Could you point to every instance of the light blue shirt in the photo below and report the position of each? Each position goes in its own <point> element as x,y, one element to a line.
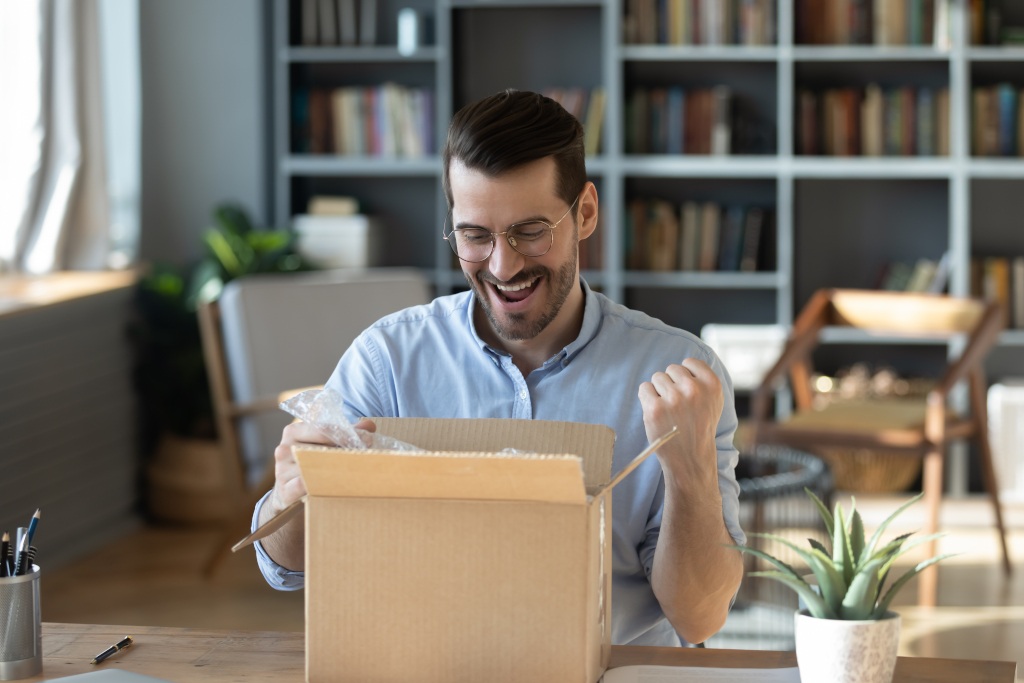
<point>429,361</point>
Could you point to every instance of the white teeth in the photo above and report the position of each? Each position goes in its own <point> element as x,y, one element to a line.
<point>516,288</point>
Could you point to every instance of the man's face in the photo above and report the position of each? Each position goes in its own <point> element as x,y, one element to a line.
<point>542,283</point>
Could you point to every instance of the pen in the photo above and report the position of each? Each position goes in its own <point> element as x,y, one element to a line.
<point>116,647</point>
<point>22,564</point>
<point>32,525</point>
<point>5,547</point>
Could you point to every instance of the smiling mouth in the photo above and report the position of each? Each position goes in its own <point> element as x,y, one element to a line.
<point>518,291</point>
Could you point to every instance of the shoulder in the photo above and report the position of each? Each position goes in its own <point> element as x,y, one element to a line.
<point>626,325</point>
<point>442,311</point>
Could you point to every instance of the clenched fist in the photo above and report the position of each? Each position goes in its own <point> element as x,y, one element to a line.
<point>288,484</point>
<point>687,396</point>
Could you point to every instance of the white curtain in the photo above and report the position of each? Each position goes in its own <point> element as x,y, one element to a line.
<point>55,199</point>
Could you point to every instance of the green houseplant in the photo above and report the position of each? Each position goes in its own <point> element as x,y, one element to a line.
<point>847,632</point>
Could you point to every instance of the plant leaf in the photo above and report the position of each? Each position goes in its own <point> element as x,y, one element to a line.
<point>856,537</point>
<point>883,604</point>
<point>911,546</point>
<point>825,514</point>
<point>870,547</point>
<point>818,546</point>
<point>892,545</point>
<point>765,556</point>
<point>859,601</point>
<point>815,604</point>
<point>842,557</point>
<point>830,580</point>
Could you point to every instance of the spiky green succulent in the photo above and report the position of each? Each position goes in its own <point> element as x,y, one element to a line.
<point>852,575</point>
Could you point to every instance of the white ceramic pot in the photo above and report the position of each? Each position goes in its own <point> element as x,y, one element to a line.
<point>835,651</point>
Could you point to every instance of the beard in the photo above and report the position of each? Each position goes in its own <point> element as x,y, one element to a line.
<point>517,326</point>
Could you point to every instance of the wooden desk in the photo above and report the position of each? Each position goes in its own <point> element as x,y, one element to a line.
<point>187,655</point>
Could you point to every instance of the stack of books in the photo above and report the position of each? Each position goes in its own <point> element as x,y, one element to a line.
<point>924,276</point>
<point>1001,280</point>
<point>873,122</point>
<point>987,24</point>
<point>677,121</point>
<point>695,237</point>
<point>338,22</point>
<point>588,107</point>
<point>386,121</point>
<point>700,22</point>
<point>997,122</point>
<point>878,22</point>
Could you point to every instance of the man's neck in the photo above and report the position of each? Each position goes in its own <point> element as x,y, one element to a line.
<point>530,354</point>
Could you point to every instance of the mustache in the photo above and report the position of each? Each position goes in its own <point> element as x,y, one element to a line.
<point>521,278</point>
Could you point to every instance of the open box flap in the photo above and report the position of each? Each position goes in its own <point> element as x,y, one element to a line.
<point>595,444</point>
<point>454,476</point>
<point>273,524</point>
<point>635,462</point>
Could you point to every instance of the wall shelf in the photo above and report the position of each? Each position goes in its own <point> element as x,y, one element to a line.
<point>376,53</point>
<point>709,53</point>
<point>867,53</point>
<point>332,165</point>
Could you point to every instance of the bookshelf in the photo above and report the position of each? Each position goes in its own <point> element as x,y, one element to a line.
<point>871,209</point>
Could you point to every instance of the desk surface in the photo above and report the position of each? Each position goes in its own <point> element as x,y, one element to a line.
<point>187,655</point>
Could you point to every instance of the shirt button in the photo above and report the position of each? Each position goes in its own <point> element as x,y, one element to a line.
<point>565,363</point>
<point>523,394</point>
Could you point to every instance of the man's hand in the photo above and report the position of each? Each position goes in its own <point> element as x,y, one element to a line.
<point>687,396</point>
<point>288,484</point>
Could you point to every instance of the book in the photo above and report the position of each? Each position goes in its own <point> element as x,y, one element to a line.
<point>709,227</point>
<point>594,122</point>
<point>319,122</point>
<point>942,129</point>
<point>388,120</point>
<point>689,243</point>
<point>348,27</point>
<point>1006,95</point>
<point>1017,283</point>
<point>752,240</point>
<point>730,250</point>
<point>925,122</point>
<point>921,277</point>
<point>699,22</point>
<point>996,284</point>
<point>328,22</point>
<point>368,22</point>
<point>872,108</point>
<point>721,130</point>
<point>676,120</point>
<point>941,278</point>
<point>310,23</point>
<point>663,242</point>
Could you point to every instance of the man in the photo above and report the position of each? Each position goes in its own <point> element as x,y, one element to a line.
<point>532,341</point>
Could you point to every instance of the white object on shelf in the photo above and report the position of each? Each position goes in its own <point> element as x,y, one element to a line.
<point>408,31</point>
<point>748,351</point>
<point>335,241</point>
<point>1006,436</point>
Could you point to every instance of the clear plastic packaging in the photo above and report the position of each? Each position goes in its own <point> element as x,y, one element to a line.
<point>323,409</point>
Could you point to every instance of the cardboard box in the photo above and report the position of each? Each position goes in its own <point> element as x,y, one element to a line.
<point>460,563</point>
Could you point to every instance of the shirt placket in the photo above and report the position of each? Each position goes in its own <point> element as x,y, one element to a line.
<point>522,405</point>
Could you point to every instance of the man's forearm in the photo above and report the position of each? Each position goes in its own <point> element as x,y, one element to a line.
<point>694,577</point>
<point>286,546</point>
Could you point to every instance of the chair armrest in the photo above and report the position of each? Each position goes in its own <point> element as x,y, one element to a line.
<point>981,341</point>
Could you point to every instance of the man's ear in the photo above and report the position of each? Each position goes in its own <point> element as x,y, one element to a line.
<point>588,211</point>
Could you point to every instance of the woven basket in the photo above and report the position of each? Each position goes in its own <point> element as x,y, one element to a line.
<point>867,470</point>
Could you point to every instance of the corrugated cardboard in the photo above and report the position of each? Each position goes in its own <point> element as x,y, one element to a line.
<point>460,563</point>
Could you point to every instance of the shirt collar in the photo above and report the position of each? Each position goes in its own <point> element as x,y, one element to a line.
<point>591,324</point>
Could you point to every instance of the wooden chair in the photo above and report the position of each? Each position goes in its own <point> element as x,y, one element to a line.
<point>913,427</point>
<point>227,413</point>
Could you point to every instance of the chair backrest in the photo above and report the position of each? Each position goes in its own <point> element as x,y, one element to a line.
<point>904,312</point>
<point>282,332</point>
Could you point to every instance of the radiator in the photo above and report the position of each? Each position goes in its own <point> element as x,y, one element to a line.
<point>68,426</point>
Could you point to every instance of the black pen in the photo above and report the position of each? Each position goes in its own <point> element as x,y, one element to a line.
<point>21,566</point>
<point>117,647</point>
<point>5,548</point>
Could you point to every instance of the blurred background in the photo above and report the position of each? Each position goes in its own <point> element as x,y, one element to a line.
<point>188,184</point>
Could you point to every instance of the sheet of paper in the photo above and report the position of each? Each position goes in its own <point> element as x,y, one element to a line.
<point>692,674</point>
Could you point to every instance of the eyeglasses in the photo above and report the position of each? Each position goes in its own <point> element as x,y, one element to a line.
<point>473,245</point>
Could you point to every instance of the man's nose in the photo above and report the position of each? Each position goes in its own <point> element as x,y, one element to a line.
<point>505,262</point>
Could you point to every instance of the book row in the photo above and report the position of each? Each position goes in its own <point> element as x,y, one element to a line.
<point>988,26</point>
<point>338,22</point>
<point>587,106</point>
<point>700,121</point>
<point>873,122</point>
<point>926,276</point>
<point>694,237</point>
<point>997,122</point>
<point>388,120</point>
<point>1001,280</point>
<point>873,22</point>
<point>700,22</point>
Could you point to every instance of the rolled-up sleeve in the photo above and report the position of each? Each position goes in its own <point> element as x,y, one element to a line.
<point>277,576</point>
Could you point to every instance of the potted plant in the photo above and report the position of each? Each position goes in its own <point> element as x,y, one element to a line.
<point>847,633</point>
<point>185,482</point>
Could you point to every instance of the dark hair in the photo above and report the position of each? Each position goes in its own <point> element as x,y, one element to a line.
<point>504,131</point>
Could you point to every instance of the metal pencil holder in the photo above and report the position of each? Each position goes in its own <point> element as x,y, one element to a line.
<point>21,651</point>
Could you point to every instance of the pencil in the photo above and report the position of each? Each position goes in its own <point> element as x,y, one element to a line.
<point>32,525</point>
<point>5,547</point>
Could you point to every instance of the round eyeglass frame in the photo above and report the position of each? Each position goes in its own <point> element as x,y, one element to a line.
<point>508,238</point>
